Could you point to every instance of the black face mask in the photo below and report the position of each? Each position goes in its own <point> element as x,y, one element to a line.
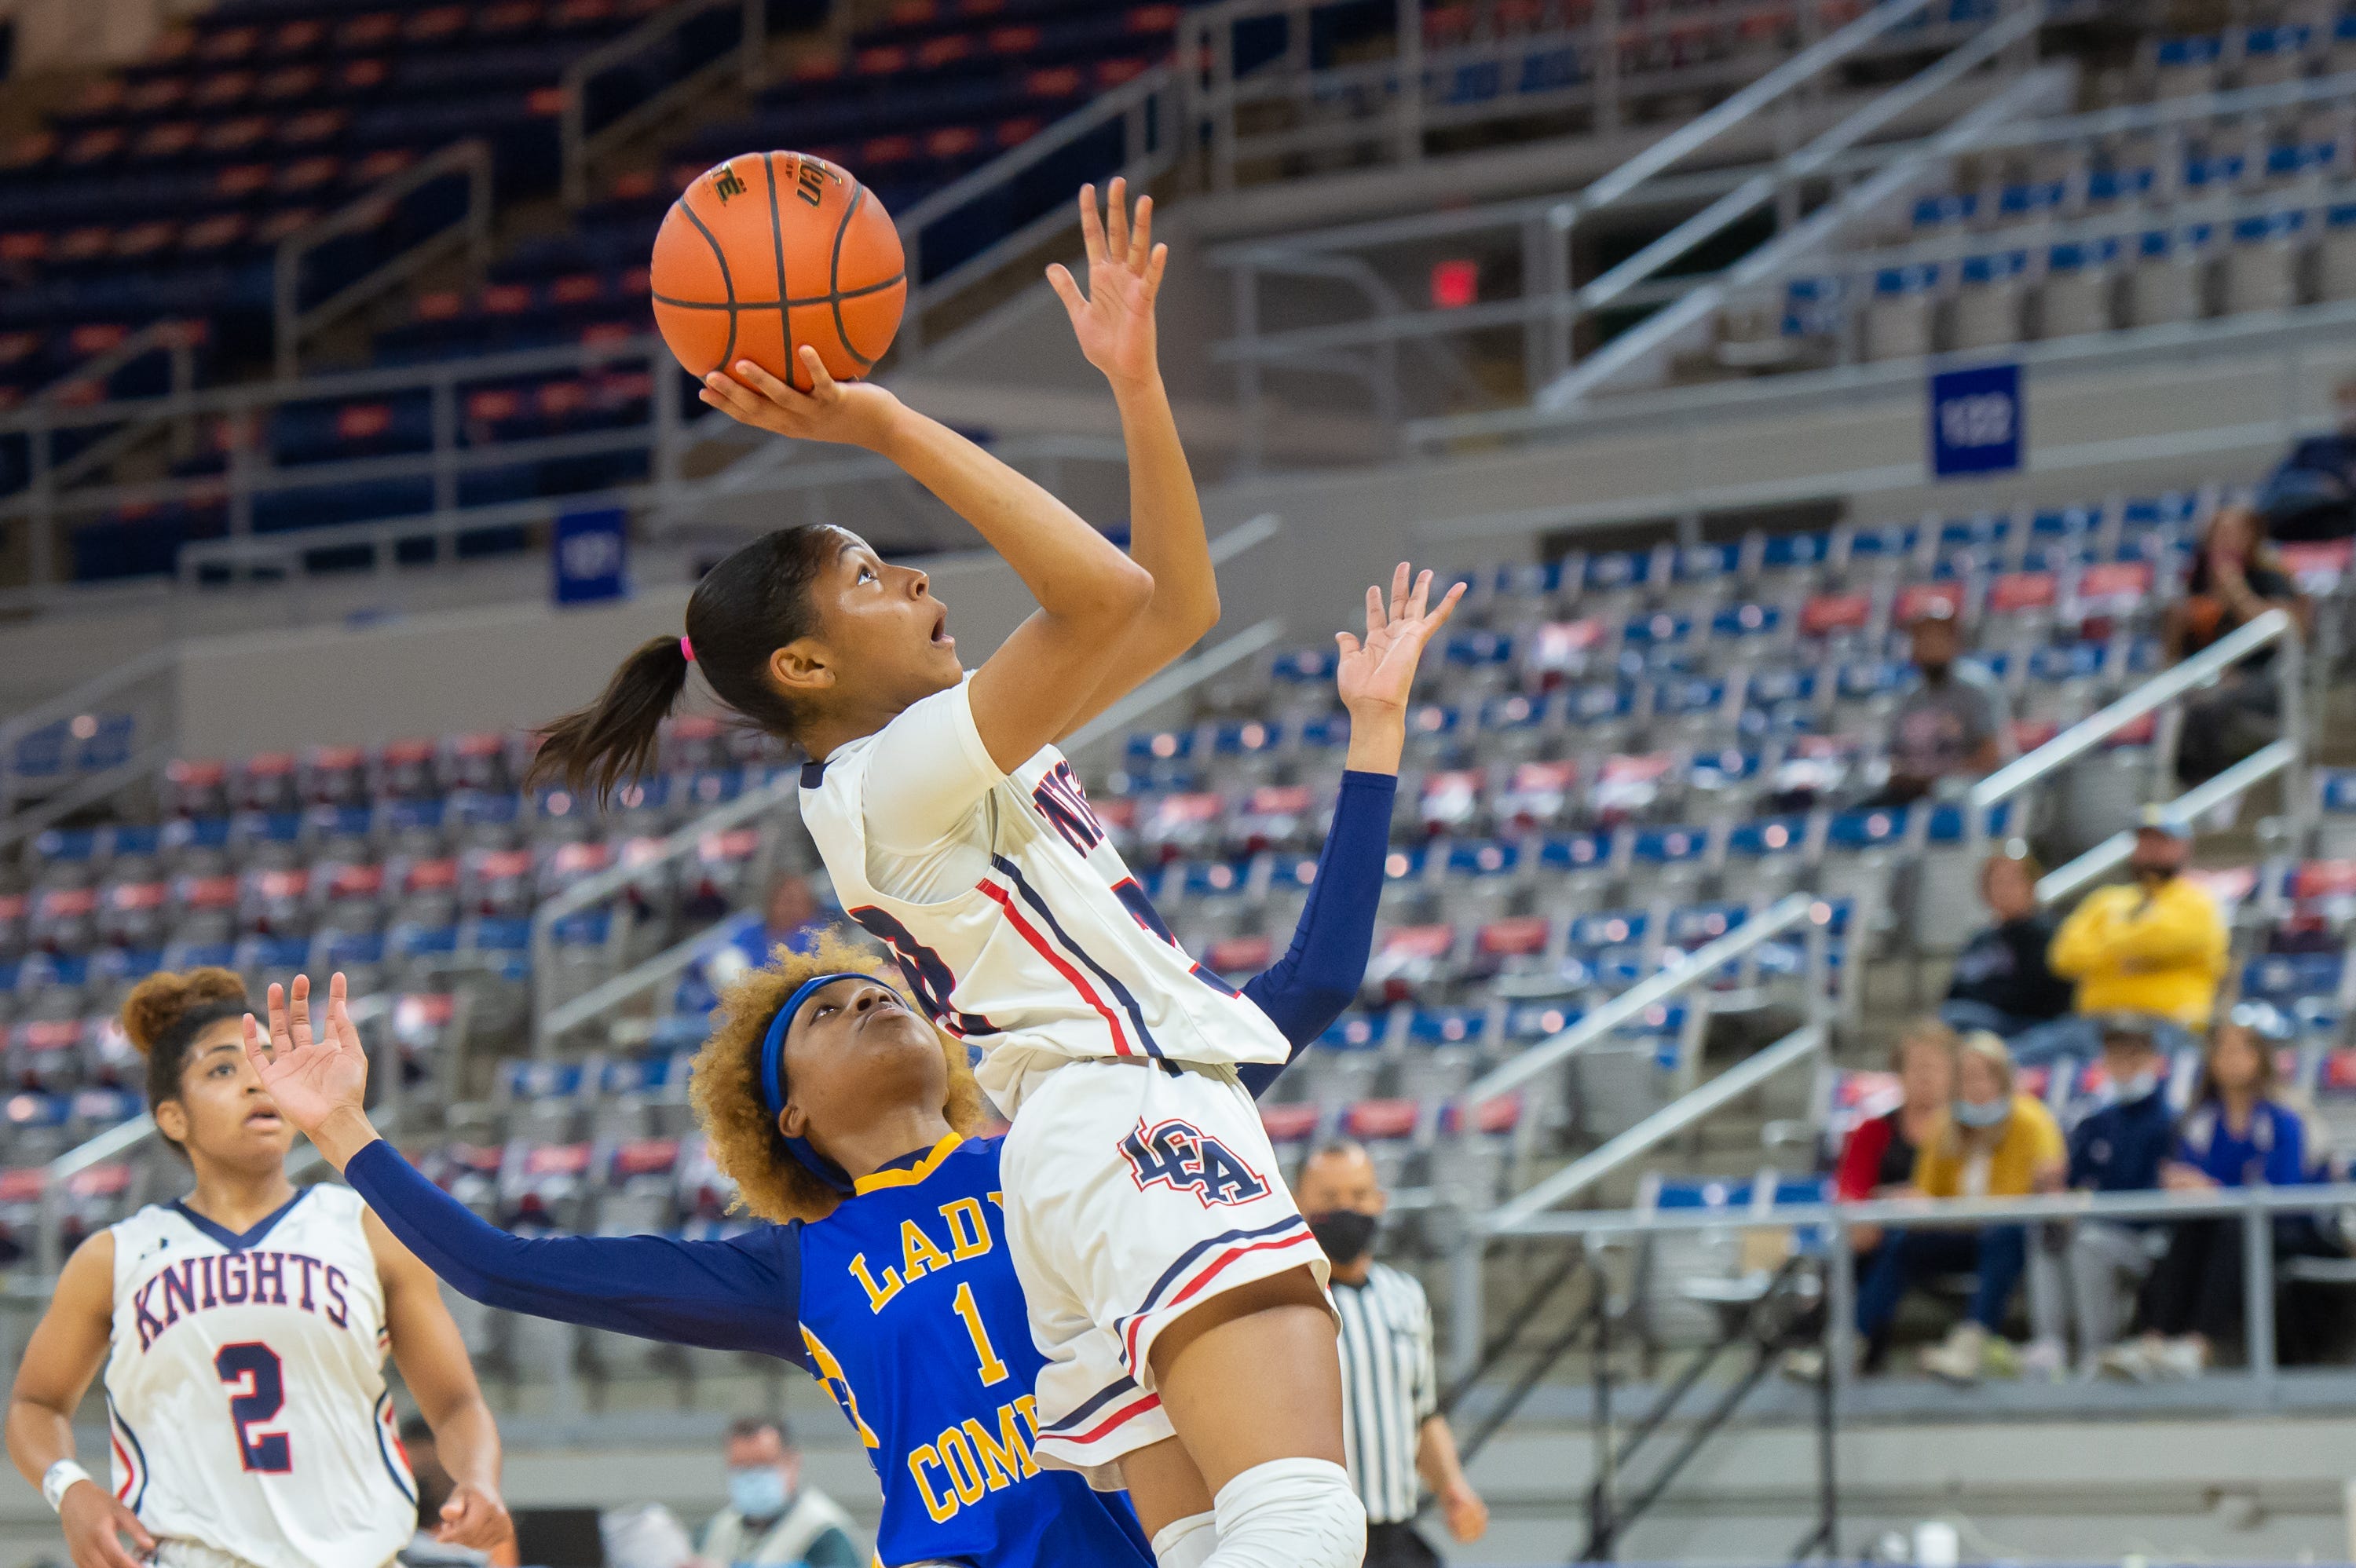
<point>1345,1233</point>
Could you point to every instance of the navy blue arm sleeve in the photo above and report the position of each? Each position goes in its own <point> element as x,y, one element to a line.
<point>744,1294</point>
<point>1304,991</point>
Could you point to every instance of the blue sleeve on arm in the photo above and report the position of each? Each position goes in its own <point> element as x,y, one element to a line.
<point>2287,1160</point>
<point>744,1294</point>
<point>1304,991</point>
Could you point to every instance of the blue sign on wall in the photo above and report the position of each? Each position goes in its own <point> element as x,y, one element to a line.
<point>590,553</point>
<point>1977,418</point>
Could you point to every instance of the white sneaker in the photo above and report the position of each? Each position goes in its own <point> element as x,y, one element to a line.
<point>2045,1362</point>
<point>1958,1360</point>
<point>2133,1359</point>
<point>2180,1360</point>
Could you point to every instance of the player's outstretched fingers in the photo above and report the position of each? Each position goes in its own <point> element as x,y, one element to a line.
<point>1092,233</point>
<point>823,389</point>
<point>1117,221</point>
<point>298,1010</point>
<point>1140,234</point>
<point>1399,577</point>
<point>769,388</point>
<point>1067,289</point>
<point>1156,265</point>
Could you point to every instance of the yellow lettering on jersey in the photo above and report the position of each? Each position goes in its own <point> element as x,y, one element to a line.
<point>941,1509</point>
<point>1007,1452</point>
<point>965,1471</point>
<point>969,1229</point>
<point>999,1199</point>
<point>877,1295</point>
<point>831,1370</point>
<point>918,1257</point>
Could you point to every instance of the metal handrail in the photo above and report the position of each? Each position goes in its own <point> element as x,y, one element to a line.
<point>83,698</point>
<point>2185,810</point>
<point>1150,150</point>
<point>1934,1214</point>
<point>1801,1046</point>
<point>2274,626</point>
<point>579,147</point>
<point>471,158</point>
<point>1793,910</point>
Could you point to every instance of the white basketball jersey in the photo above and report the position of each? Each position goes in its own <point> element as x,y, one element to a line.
<point>1054,953</point>
<point>245,1391</point>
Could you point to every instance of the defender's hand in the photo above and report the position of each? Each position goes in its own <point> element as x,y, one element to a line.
<point>1376,674</point>
<point>319,1080</point>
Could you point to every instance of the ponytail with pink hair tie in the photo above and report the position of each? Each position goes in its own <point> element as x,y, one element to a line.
<point>687,650</point>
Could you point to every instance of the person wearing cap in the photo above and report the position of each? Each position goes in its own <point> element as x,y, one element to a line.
<point>1953,724</point>
<point>2155,945</point>
<point>2120,1145</point>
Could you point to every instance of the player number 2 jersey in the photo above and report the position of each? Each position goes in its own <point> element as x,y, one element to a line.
<point>245,1393</point>
<point>1017,922</point>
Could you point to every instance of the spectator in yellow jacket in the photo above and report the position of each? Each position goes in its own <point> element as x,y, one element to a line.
<point>2157,945</point>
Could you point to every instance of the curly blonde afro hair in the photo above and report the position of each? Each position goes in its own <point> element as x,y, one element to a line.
<point>724,1082</point>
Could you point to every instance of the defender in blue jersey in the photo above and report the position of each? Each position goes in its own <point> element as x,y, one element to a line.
<point>888,1276</point>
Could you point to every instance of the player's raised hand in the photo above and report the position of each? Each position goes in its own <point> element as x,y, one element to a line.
<point>849,413</point>
<point>1376,673</point>
<point>95,1524</point>
<point>316,1076</point>
<point>1114,317</point>
<point>474,1518</point>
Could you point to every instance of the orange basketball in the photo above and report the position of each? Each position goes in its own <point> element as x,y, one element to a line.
<point>770,250</point>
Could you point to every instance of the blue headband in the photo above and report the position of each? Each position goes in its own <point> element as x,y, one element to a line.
<point>773,1077</point>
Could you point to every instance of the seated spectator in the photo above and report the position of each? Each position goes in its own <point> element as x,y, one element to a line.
<point>2118,1147</point>
<point>792,916</point>
<point>2239,1133</point>
<point>1878,1157</point>
<point>1954,725</point>
<point>2000,982</point>
<point>2157,945</point>
<point>2311,494</point>
<point>1993,1143</point>
<point>2235,579</point>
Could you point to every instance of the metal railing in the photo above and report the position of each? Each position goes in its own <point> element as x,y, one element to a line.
<point>2254,1208</point>
<point>2276,628</point>
<point>581,147</point>
<point>468,232</point>
<point>1142,113</point>
<point>1261,106</point>
<point>144,685</point>
<point>1550,309</point>
<point>1806,1044</point>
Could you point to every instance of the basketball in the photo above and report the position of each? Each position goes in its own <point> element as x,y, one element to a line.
<point>767,251</point>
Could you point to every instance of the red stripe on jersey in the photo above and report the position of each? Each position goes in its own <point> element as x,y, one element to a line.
<point>130,1471</point>
<point>998,896</point>
<point>1204,1278</point>
<point>1126,1413</point>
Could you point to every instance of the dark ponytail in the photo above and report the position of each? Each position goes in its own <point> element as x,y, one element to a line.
<point>751,604</point>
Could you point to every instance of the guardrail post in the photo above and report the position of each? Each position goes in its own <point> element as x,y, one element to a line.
<point>39,442</point>
<point>1606,55</point>
<point>1409,104</point>
<point>1467,1300</point>
<point>444,414</point>
<point>2258,1293</point>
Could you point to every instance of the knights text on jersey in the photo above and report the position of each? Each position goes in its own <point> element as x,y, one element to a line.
<point>1054,953</point>
<point>245,1390</point>
<point>910,1316</point>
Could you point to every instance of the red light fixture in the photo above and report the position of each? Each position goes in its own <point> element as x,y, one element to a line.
<point>1455,283</point>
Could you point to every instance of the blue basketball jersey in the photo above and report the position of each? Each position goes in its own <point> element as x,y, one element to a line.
<point>910,1316</point>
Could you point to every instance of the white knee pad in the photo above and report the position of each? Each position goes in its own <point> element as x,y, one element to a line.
<point>1186,1542</point>
<point>1290,1513</point>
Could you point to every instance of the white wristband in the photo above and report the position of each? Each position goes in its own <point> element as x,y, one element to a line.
<point>58,1478</point>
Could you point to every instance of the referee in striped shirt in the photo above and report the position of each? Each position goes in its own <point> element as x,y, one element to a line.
<point>1391,1424</point>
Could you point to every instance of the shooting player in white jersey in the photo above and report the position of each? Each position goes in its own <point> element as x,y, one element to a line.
<point>242,1333</point>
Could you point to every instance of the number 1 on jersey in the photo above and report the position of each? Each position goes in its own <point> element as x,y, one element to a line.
<point>993,1368</point>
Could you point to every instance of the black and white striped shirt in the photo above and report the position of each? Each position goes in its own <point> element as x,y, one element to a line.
<point>1388,1387</point>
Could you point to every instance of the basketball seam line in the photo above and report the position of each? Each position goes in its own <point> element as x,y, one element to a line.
<point>860,292</point>
<point>834,280</point>
<point>725,280</point>
<point>777,249</point>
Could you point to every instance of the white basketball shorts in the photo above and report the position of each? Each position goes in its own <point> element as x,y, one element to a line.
<point>1134,1193</point>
